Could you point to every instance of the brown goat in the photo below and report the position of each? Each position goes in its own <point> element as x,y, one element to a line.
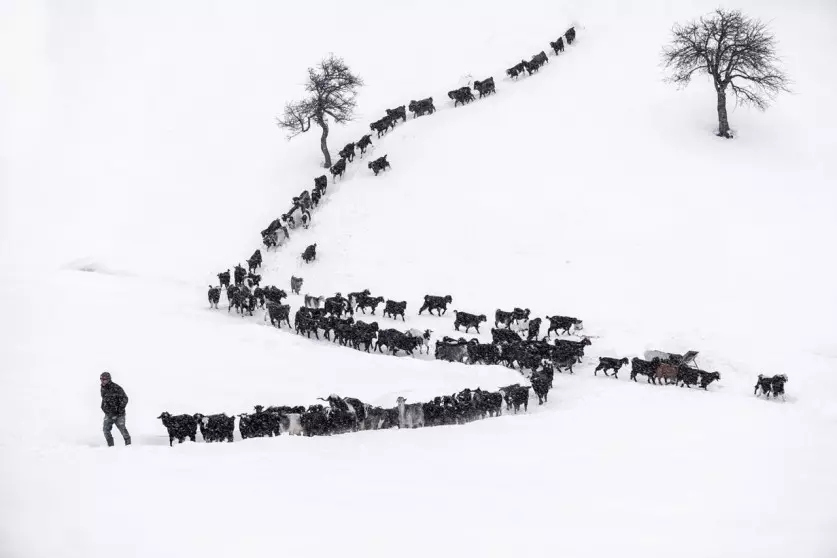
<point>667,372</point>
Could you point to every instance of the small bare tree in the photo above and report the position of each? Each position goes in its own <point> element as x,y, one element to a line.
<point>331,90</point>
<point>737,51</point>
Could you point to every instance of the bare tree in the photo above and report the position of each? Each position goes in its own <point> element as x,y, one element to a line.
<point>737,51</point>
<point>331,90</point>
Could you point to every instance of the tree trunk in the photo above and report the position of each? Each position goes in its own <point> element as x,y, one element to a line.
<point>723,123</point>
<point>323,145</point>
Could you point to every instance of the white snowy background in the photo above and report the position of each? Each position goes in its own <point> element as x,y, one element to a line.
<point>137,140</point>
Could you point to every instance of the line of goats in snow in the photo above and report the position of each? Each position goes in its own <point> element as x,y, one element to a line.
<point>515,342</point>
<point>348,414</point>
<point>278,232</point>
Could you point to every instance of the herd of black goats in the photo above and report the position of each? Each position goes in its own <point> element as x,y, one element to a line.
<point>516,341</point>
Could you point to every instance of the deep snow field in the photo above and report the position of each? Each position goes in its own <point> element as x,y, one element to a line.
<point>137,142</point>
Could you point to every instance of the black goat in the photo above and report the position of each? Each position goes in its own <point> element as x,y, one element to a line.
<point>541,382</point>
<point>398,112</point>
<point>278,313</point>
<point>348,152</point>
<point>608,363</point>
<point>216,428</point>
<point>438,303</point>
<point>500,336</point>
<point>562,323</point>
<point>363,143</point>
<point>366,301</point>
<point>224,278</point>
<point>462,95</point>
<point>570,34</point>
<point>180,427</point>
<point>468,320</point>
<point>394,309</point>
<point>381,126</point>
<point>516,396</point>
<point>310,253</point>
<point>644,368</point>
<point>379,165</point>
<point>337,169</point>
<point>771,384</point>
<point>516,70</point>
<point>422,107</point>
<point>485,86</point>
<point>214,296</point>
<point>255,261</point>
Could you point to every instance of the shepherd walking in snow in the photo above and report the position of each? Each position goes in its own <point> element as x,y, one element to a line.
<point>114,402</point>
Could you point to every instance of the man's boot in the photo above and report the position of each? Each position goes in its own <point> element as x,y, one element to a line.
<point>127,441</point>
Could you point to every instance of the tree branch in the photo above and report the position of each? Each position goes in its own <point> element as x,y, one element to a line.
<point>730,47</point>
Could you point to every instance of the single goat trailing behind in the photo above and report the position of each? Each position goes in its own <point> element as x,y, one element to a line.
<point>310,253</point>
<point>214,296</point>
<point>771,384</point>
<point>296,284</point>
<point>379,164</point>
<point>570,35</point>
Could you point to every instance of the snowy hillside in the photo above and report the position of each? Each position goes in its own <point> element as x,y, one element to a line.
<point>140,146</point>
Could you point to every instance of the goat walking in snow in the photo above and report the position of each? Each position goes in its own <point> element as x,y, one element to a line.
<point>410,416</point>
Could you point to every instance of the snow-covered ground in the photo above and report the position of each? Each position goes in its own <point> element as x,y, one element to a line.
<point>138,142</point>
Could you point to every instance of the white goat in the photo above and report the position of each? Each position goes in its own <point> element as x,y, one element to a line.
<point>410,416</point>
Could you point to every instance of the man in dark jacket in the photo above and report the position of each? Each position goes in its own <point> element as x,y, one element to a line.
<point>114,402</point>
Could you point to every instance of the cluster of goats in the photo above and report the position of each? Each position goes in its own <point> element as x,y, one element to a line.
<point>348,414</point>
<point>516,340</point>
